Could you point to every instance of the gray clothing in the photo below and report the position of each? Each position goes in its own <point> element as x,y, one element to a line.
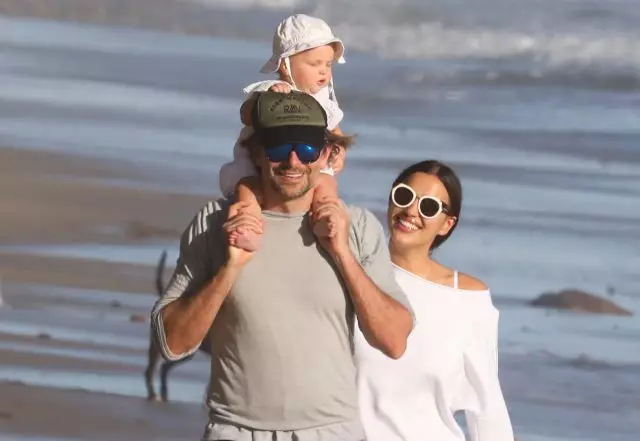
<point>281,344</point>
<point>347,431</point>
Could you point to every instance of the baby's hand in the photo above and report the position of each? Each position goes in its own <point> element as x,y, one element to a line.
<point>281,87</point>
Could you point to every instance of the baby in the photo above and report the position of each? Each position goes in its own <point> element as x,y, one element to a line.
<point>304,50</point>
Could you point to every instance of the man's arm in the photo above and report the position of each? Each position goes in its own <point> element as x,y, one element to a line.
<point>187,320</point>
<point>383,311</point>
<point>384,321</point>
<point>186,311</point>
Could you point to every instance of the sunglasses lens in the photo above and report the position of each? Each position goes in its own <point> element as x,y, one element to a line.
<point>279,153</point>
<point>307,153</point>
<point>429,207</point>
<point>402,196</point>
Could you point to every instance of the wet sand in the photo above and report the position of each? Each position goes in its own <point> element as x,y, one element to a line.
<point>74,332</point>
<point>52,414</point>
<point>49,198</point>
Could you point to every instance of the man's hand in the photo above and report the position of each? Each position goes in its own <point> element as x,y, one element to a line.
<point>333,211</point>
<point>281,88</point>
<point>240,219</point>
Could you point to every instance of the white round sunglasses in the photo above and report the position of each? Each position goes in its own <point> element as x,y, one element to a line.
<point>429,207</point>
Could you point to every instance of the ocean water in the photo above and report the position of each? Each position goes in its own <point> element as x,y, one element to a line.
<point>535,103</point>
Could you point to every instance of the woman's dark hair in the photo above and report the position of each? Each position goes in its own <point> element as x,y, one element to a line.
<point>451,183</point>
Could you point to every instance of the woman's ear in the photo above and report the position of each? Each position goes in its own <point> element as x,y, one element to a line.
<point>447,225</point>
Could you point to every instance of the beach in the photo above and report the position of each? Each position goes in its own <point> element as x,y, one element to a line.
<point>72,348</point>
<point>50,414</point>
<point>111,140</point>
<point>74,321</point>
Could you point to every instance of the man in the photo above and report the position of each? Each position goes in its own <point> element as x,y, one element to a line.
<point>279,321</point>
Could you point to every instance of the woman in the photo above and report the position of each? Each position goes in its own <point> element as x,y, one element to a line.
<point>451,359</point>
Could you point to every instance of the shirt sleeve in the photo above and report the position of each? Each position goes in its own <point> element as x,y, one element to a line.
<point>368,242</point>
<point>194,267</point>
<point>488,418</point>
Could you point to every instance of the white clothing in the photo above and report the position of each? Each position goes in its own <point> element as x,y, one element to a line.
<point>298,33</point>
<point>241,166</point>
<point>451,364</point>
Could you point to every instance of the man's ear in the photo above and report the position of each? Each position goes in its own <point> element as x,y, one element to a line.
<point>256,153</point>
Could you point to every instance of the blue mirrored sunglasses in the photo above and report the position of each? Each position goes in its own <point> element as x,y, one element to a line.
<point>306,153</point>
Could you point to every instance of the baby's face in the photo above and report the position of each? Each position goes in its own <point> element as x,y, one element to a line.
<point>311,69</point>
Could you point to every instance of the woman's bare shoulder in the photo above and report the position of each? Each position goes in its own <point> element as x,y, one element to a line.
<point>470,283</point>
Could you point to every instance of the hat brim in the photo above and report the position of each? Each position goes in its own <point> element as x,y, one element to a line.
<point>273,63</point>
<point>276,136</point>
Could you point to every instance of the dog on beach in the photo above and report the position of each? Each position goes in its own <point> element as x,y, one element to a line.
<point>154,356</point>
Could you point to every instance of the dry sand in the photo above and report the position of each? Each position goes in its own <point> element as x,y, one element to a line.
<point>73,332</point>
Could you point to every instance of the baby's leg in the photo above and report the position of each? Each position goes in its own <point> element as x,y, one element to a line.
<point>327,185</point>
<point>248,190</point>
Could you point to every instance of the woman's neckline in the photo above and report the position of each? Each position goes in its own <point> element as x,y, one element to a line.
<point>439,285</point>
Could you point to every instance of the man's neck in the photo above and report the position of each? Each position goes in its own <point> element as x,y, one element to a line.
<point>273,202</point>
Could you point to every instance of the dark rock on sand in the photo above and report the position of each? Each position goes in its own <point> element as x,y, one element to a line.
<point>580,301</point>
<point>138,318</point>
<point>583,361</point>
<point>141,230</point>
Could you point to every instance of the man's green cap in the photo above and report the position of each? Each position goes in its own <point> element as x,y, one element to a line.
<point>295,117</point>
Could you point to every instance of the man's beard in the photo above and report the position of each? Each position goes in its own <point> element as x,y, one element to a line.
<point>290,193</point>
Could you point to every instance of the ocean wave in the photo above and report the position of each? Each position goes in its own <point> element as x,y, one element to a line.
<point>437,41</point>
<point>593,77</point>
<point>548,33</point>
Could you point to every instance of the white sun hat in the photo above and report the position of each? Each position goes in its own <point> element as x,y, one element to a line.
<point>298,33</point>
